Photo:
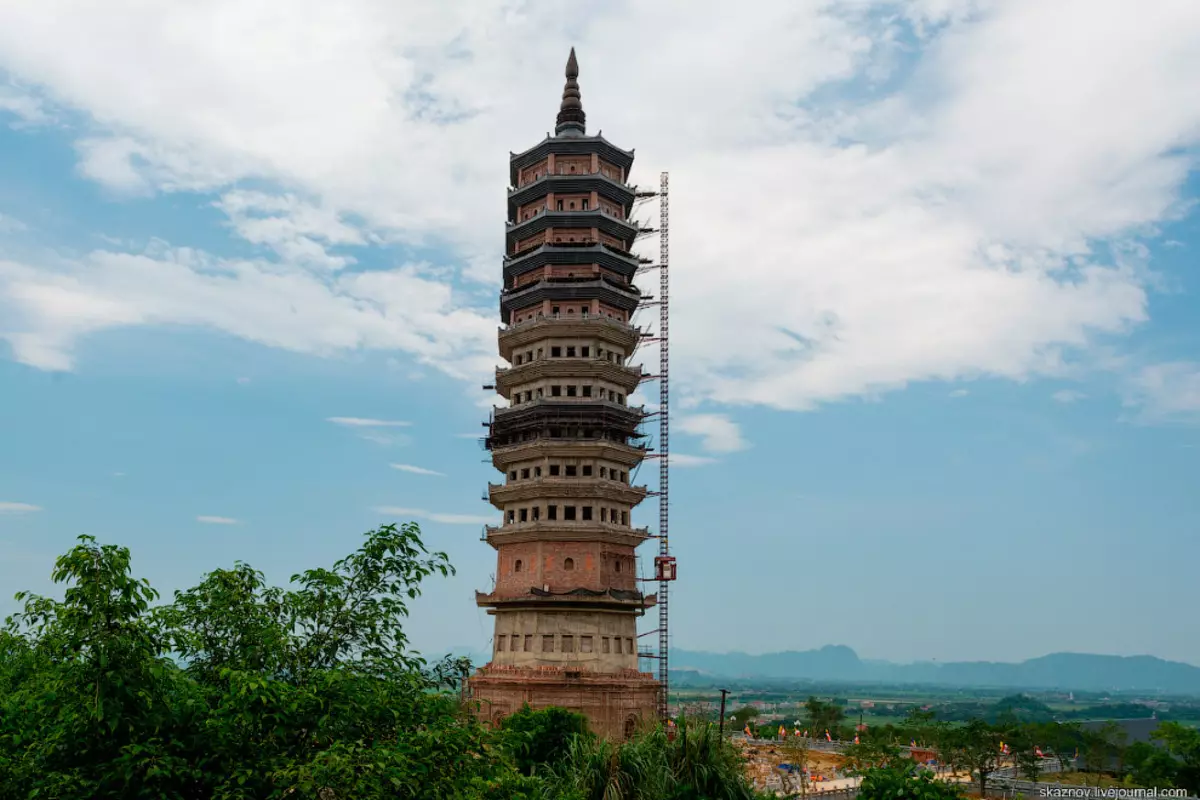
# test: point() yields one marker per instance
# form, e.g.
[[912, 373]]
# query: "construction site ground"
[[763, 760]]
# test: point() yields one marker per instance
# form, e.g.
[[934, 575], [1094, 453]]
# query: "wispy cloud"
[[417, 470], [960, 393], [210, 520], [684, 460], [17, 508], [1168, 392], [11, 224], [718, 433], [435, 516], [367, 422], [1068, 396]]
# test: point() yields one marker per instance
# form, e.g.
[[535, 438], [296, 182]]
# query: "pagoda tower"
[[566, 599]]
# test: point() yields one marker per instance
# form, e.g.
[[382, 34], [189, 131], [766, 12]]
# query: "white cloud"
[[210, 520], [939, 220], [1068, 396], [27, 108], [684, 460], [243, 381], [718, 433], [367, 422], [11, 225], [1168, 392], [960, 393], [417, 470], [433, 516], [17, 508]]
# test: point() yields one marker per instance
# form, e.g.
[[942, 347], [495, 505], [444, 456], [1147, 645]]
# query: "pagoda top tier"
[[570, 132]]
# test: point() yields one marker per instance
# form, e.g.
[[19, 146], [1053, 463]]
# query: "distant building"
[[1136, 730]]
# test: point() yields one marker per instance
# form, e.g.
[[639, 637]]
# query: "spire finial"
[[571, 119]]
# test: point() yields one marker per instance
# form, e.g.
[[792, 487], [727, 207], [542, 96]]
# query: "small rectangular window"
[[569, 513], [616, 644], [605, 647], [604, 515], [604, 472], [571, 470], [525, 474], [537, 472], [529, 643], [512, 515], [548, 643], [536, 513], [512, 476], [570, 352], [556, 391], [516, 642], [554, 469], [585, 644], [624, 517], [587, 512], [524, 515], [585, 351], [587, 391], [570, 391], [551, 512], [500, 641], [556, 352], [587, 470], [629, 646], [554, 310], [568, 643]]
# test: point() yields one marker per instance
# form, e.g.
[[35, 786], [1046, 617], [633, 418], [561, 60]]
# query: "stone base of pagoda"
[[616, 704]]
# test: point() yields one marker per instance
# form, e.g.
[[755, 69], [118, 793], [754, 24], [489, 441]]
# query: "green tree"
[[541, 739], [872, 753], [905, 782], [744, 715], [974, 747], [821, 716], [1183, 743]]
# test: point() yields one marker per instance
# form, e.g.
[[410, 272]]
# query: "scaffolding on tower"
[[664, 565]]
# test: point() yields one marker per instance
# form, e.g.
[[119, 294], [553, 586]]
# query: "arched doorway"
[[630, 726]]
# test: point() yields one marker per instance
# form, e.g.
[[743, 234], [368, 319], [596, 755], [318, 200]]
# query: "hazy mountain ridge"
[[1067, 671], [834, 663]]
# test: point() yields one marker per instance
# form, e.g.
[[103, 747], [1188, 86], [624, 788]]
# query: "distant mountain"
[[1080, 672], [1066, 671]]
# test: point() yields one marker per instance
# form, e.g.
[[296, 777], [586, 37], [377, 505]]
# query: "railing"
[[593, 319], [557, 479], [540, 401], [539, 212], [528, 251], [587, 174], [608, 527], [633, 370]]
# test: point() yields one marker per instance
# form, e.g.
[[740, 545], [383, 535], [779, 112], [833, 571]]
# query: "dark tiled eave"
[[569, 146], [560, 290], [568, 255], [592, 218], [606, 187]]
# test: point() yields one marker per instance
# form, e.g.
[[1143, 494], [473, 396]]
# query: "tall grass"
[[695, 764]]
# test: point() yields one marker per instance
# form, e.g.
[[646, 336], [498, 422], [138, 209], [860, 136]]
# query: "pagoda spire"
[[571, 119]]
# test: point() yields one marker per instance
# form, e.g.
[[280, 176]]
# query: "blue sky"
[[934, 290]]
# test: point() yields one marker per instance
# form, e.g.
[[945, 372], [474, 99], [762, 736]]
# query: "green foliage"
[[744, 715], [905, 782], [242, 691], [821, 716], [975, 747], [540, 739], [696, 765], [1183, 744], [873, 753]]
